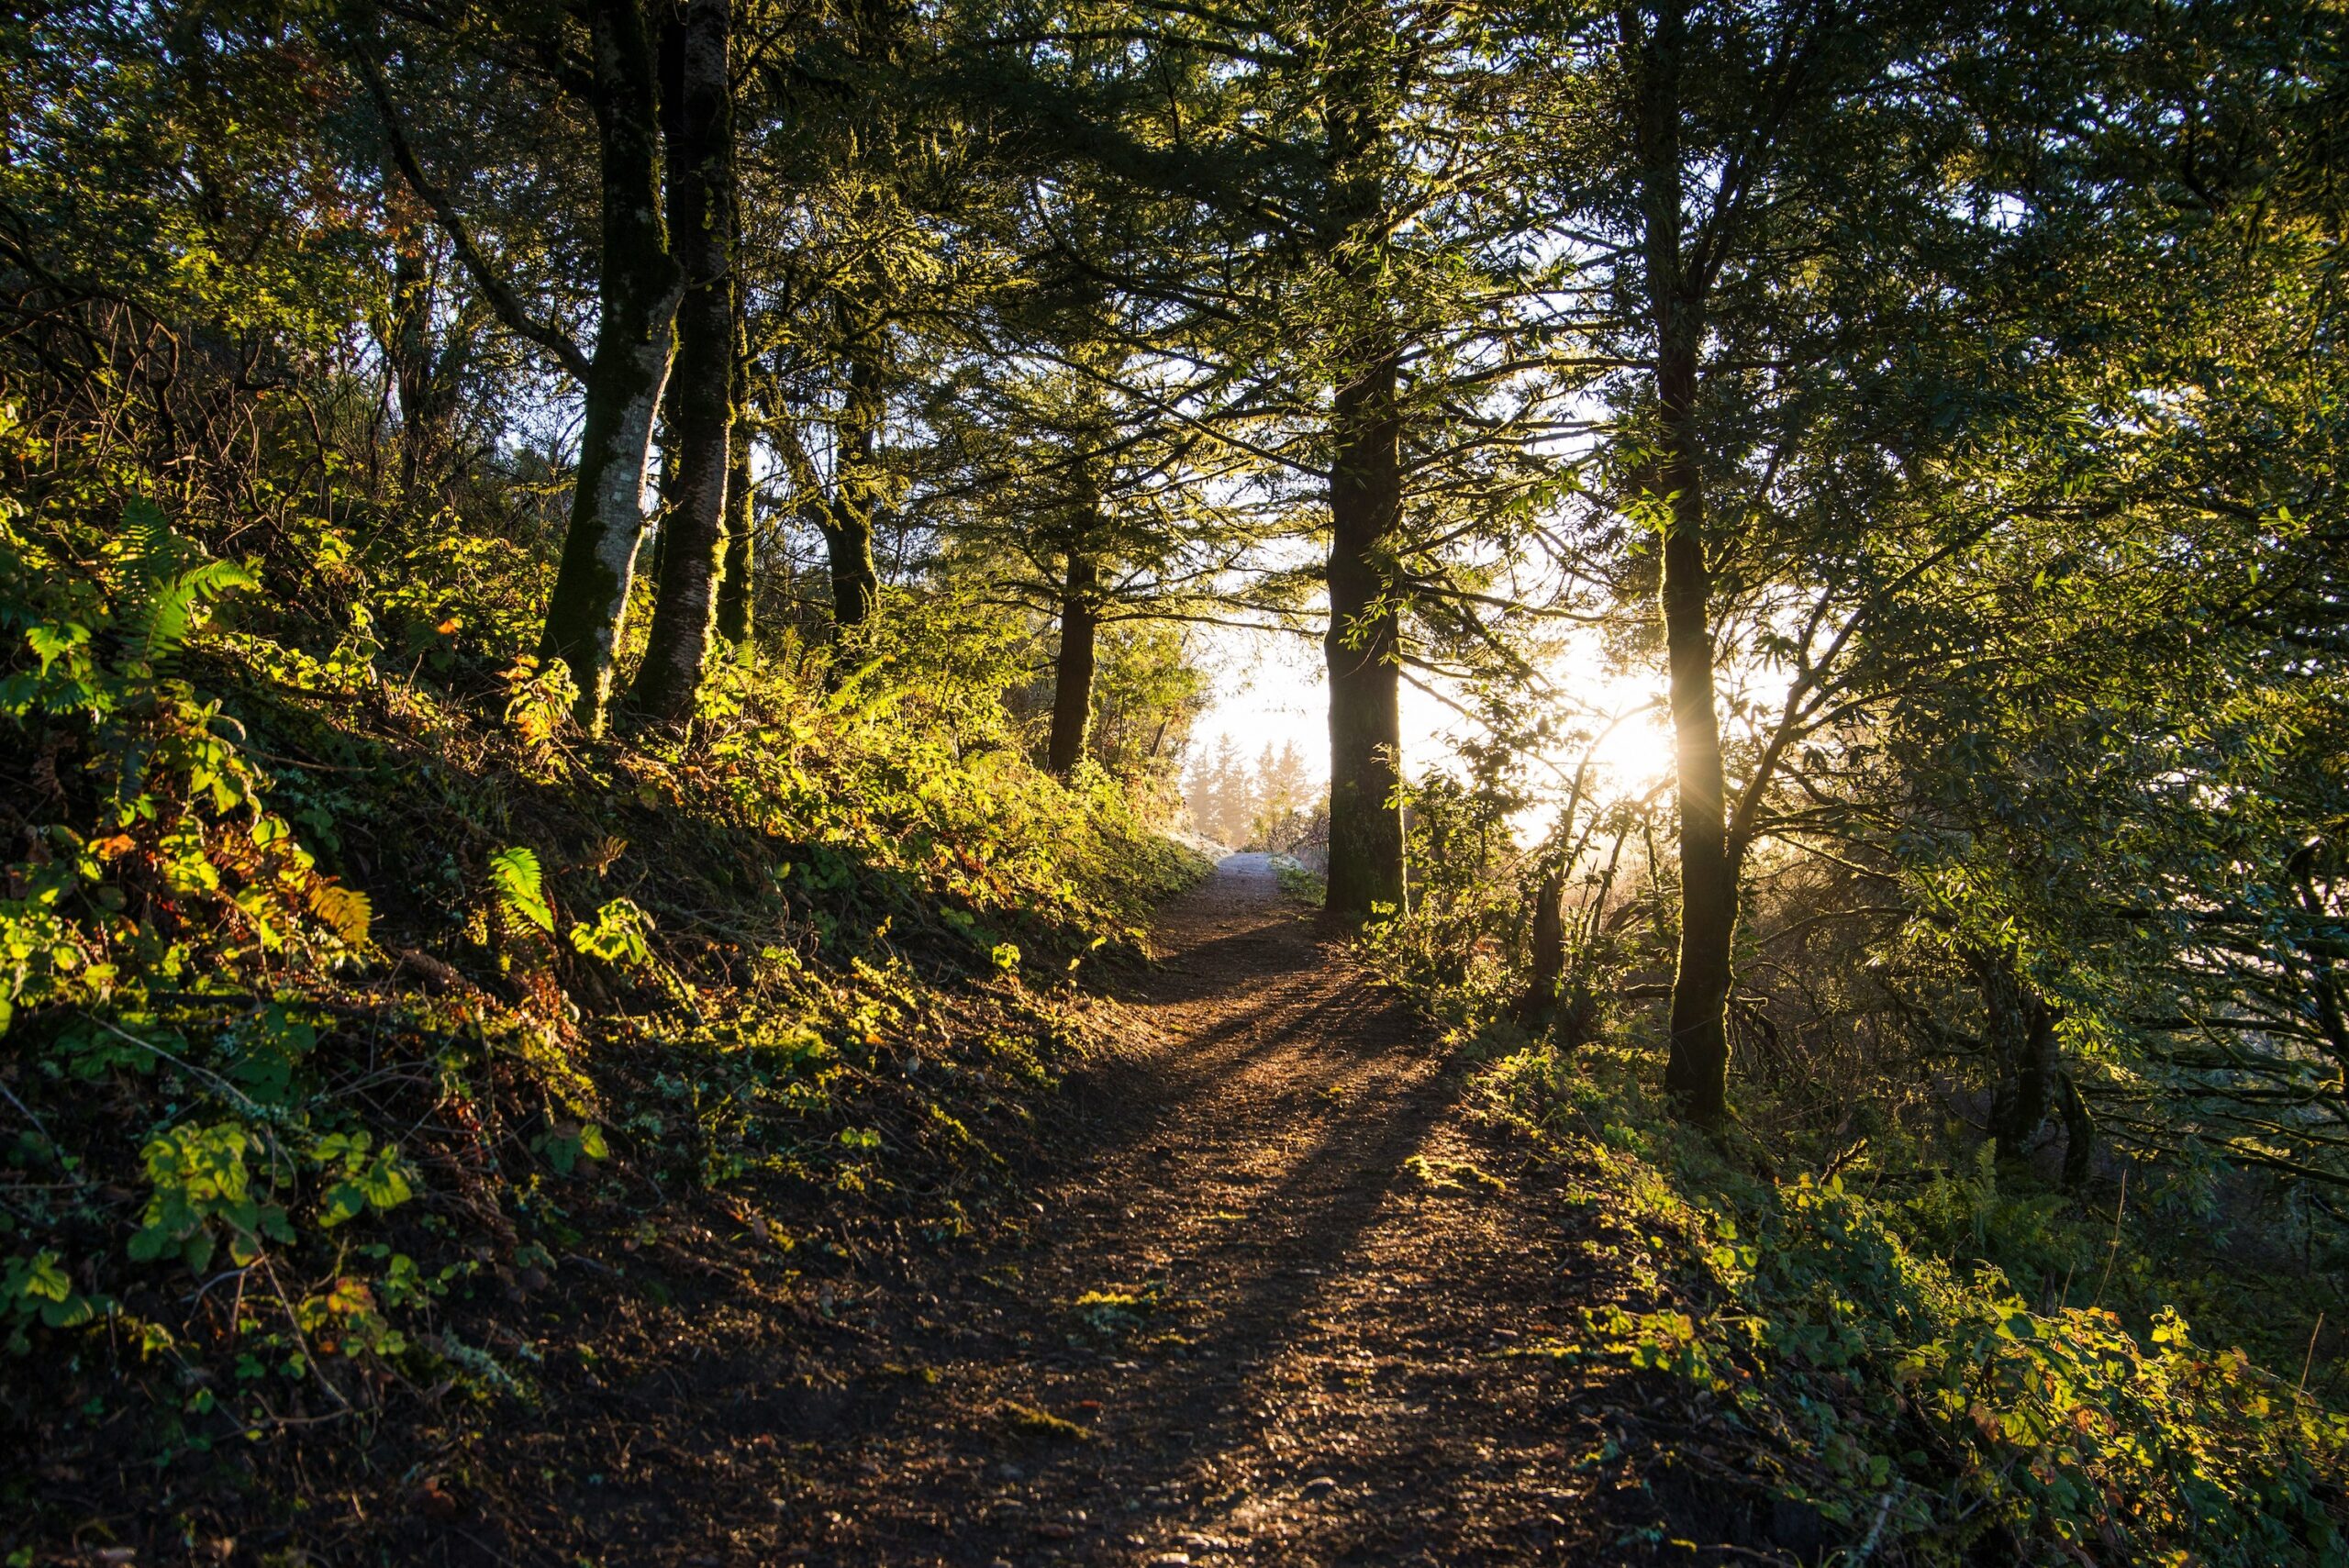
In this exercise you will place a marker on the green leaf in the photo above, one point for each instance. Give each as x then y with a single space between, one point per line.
514 873
50 642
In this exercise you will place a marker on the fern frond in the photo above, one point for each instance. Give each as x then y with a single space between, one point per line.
159 602
173 611
347 909
514 876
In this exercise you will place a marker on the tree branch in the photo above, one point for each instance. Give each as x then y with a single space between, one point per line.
501 297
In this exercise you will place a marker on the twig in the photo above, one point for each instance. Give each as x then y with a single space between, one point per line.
28 1116
2112 1253
293 1321
2311 1360
217 1082
1875 1530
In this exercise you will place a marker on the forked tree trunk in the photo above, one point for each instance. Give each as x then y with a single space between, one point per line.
639 288
1072 670
736 615
699 121
1362 647
856 483
1695 1075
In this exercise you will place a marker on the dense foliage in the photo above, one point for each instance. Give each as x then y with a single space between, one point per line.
341 966
608 599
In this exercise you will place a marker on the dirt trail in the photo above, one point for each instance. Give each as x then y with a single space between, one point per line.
1304 1298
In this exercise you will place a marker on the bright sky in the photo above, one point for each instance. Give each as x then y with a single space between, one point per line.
1269 688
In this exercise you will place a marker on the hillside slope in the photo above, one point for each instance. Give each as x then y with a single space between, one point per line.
358 1009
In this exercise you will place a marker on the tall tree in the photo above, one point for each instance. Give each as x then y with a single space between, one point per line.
1676 284
1789 225
1369 58
1347 294
639 289
698 125
638 284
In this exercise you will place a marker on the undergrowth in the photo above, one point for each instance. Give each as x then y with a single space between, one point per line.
349 993
1894 1378
1917 1354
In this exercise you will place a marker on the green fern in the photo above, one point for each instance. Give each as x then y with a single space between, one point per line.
514 877
161 599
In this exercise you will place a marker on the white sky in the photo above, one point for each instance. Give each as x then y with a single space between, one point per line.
1268 688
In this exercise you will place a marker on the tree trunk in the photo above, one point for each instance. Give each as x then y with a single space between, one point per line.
1696 1072
848 546
1540 1006
2079 1134
1362 646
1073 671
2020 1027
1696 1077
736 617
639 288
700 115
856 484
407 344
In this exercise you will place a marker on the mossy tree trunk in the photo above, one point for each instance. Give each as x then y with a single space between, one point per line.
1538 1007
639 289
2020 1029
1073 670
736 615
847 520
699 116
427 375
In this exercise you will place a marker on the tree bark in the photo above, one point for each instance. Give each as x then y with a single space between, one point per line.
1364 644
699 121
1362 647
736 614
2079 1134
639 285
856 481
1538 1007
1696 1076
1072 670
2020 1027
425 378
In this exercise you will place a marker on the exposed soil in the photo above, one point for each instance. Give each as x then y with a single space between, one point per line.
1308 1373
1282 1300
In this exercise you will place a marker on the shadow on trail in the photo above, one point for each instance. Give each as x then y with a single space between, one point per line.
1239 1167
1237 1328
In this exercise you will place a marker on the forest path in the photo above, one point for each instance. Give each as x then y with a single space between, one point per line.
1304 1292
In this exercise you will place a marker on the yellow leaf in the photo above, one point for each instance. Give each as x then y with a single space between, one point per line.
347 909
